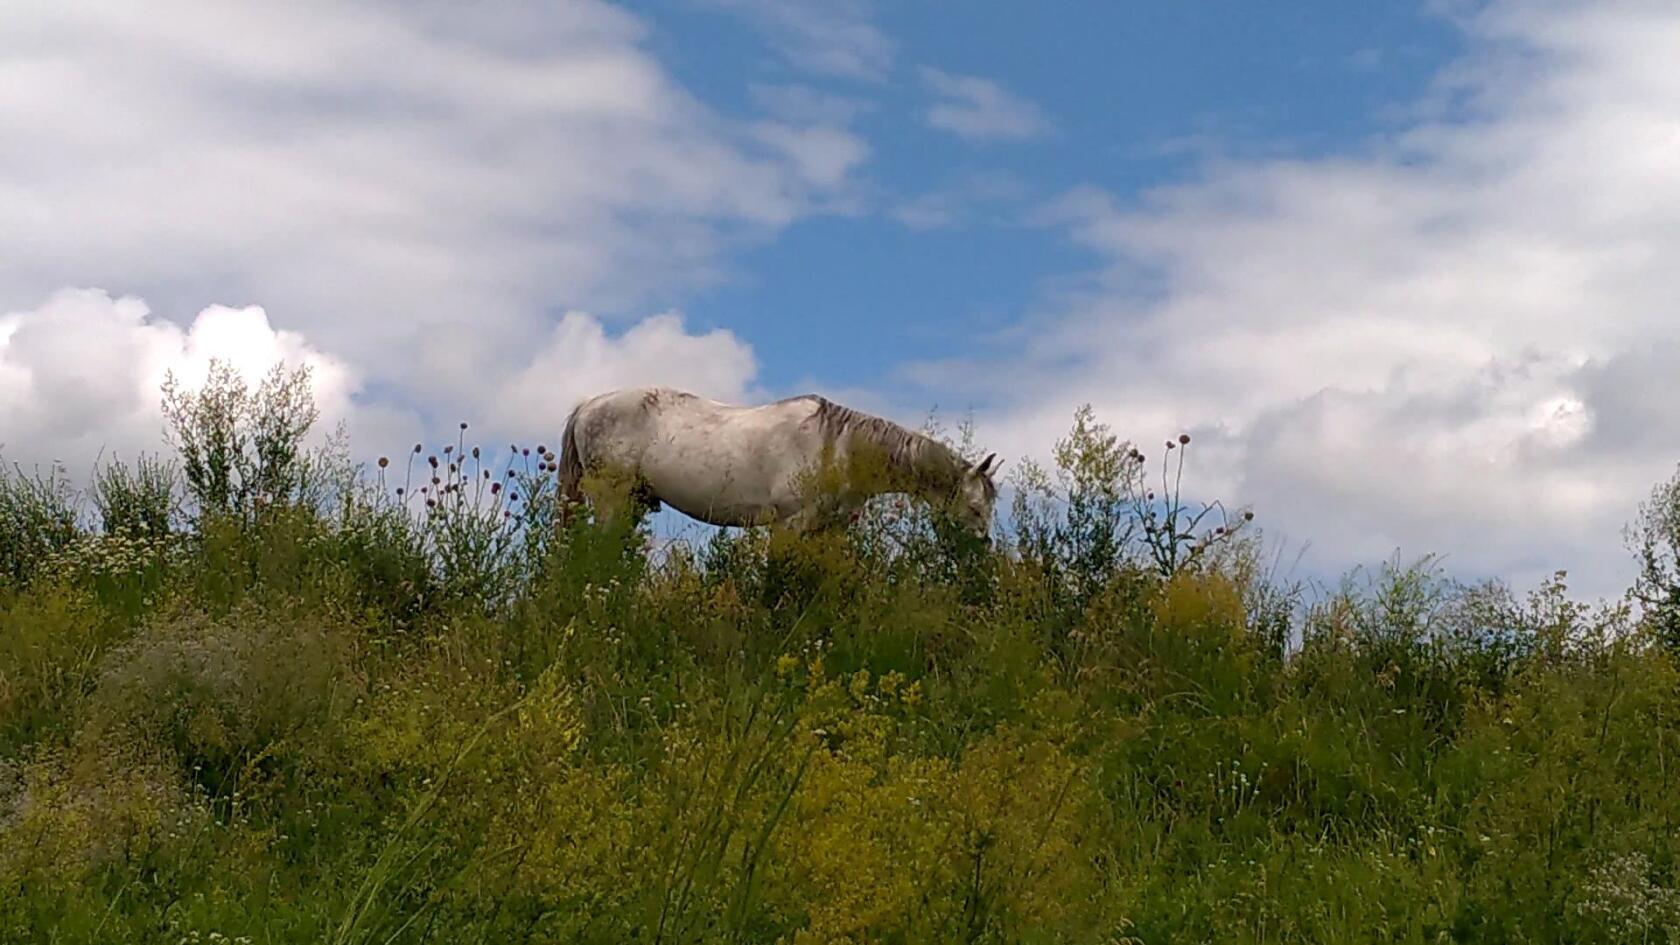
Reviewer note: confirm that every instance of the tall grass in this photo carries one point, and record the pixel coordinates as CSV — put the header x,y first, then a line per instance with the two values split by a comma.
x,y
398,705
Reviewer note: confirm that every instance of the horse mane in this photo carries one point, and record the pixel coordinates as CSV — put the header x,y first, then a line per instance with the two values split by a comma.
x,y
906,449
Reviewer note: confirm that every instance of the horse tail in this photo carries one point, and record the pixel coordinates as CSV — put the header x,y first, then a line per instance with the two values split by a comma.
x,y
571,468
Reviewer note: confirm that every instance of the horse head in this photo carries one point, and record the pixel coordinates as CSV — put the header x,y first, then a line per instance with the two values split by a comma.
x,y
976,496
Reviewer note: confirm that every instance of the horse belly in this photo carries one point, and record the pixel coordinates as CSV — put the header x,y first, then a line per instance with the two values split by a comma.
x,y
707,480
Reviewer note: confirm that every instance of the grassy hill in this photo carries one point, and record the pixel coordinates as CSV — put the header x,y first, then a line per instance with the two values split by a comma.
x,y
259,696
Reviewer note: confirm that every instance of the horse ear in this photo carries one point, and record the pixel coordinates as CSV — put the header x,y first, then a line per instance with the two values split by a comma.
x,y
986,468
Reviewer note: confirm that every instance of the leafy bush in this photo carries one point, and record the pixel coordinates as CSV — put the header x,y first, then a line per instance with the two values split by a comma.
x,y
37,520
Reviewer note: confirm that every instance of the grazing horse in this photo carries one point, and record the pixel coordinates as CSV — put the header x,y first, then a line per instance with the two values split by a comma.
x,y
733,465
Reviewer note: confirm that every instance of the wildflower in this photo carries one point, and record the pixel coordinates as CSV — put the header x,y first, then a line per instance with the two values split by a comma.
x,y
433,461
383,462
1184,439
1171,445
417,449
1248,516
475,452
541,449
463,424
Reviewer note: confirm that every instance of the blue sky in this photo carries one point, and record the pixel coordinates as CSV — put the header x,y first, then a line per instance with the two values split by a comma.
x,y
1134,96
1403,270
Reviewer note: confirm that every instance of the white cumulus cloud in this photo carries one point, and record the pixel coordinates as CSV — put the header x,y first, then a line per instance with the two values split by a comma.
x,y
81,374
580,359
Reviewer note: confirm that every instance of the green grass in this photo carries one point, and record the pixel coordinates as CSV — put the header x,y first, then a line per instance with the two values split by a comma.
x,y
330,718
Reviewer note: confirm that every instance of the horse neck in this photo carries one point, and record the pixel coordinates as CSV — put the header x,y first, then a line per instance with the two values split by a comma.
x,y
927,467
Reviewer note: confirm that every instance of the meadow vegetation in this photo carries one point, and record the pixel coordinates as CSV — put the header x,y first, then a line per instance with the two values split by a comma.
x,y
253,693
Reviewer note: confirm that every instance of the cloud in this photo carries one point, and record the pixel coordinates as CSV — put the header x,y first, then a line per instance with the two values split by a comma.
x,y
81,373
979,109
1460,337
829,37
975,197
416,187
580,359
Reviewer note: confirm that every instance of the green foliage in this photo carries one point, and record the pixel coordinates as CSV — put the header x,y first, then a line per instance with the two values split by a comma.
x,y
242,450
37,520
136,501
365,715
1655,537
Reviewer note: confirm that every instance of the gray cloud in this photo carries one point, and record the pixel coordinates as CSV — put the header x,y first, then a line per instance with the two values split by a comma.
x,y
828,37
979,109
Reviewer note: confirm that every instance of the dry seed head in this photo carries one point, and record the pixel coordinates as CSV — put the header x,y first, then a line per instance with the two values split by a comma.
x,y
1184,439
463,424
384,461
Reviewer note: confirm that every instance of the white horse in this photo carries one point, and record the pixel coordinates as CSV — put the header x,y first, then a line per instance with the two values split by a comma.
x,y
732,465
